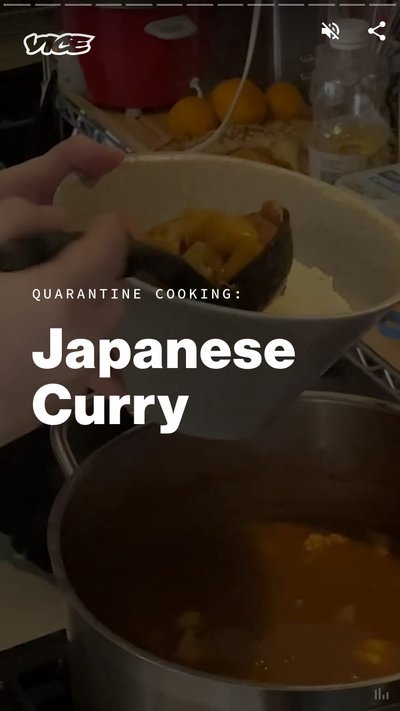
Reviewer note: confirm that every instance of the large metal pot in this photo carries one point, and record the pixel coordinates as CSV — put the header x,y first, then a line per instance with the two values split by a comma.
x,y
332,459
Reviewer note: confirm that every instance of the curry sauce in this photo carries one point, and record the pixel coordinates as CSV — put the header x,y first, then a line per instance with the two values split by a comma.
x,y
270,602
331,613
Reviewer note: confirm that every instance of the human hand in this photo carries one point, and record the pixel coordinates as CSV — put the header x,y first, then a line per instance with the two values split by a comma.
x,y
38,179
95,261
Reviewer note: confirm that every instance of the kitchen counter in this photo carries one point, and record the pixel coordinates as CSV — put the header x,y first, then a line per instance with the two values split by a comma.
x,y
30,604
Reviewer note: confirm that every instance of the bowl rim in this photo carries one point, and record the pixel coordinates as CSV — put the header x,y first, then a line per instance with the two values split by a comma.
x,y
335,194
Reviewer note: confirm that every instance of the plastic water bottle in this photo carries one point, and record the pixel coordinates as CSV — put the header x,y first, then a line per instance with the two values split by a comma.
x,y
349,132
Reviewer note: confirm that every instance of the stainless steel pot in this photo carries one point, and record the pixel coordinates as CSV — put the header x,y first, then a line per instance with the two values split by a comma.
x,y
333,459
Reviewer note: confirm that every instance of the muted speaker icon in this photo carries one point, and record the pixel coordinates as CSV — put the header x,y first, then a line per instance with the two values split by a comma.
x,y
331,30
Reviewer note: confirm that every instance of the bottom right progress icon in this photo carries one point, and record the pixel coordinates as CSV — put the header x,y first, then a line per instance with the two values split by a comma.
x,y
381,695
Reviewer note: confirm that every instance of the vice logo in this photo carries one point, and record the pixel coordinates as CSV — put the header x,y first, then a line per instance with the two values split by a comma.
x,y
71,43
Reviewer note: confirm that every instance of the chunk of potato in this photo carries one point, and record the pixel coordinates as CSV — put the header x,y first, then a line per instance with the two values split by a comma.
x,y
216,245
189,648
174,235
190,619
373,651
240,258
317,542
205,261
225,233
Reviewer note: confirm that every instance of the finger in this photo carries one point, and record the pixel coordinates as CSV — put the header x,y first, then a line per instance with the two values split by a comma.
x,y
80,154
19,217
39,178
97,259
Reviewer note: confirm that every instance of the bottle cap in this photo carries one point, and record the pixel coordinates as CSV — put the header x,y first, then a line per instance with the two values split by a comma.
x,y
353,34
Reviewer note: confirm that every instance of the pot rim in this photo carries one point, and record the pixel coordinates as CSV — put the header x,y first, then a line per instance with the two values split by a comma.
x,y
62,579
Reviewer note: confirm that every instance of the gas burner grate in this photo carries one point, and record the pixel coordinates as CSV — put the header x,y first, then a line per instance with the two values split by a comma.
x,y
33,676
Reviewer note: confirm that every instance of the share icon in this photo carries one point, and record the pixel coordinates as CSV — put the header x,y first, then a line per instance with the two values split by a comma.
x,y
373,31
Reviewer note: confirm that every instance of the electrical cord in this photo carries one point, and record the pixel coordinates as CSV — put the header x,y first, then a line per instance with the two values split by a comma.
x,y
255,23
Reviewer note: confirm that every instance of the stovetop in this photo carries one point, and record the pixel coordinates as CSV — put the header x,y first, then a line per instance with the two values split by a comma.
x,y
34,676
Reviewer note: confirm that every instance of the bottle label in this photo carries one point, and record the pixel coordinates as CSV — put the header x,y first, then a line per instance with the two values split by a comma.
x,y
329,167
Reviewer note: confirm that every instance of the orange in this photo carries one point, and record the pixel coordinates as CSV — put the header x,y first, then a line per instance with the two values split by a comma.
x,y
191,117
284,102
251,104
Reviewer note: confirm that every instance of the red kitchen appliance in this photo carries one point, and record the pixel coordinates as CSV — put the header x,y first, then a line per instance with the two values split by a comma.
x,y
139,58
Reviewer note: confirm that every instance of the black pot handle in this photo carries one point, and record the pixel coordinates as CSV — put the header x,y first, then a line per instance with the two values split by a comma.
x,y
62,450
